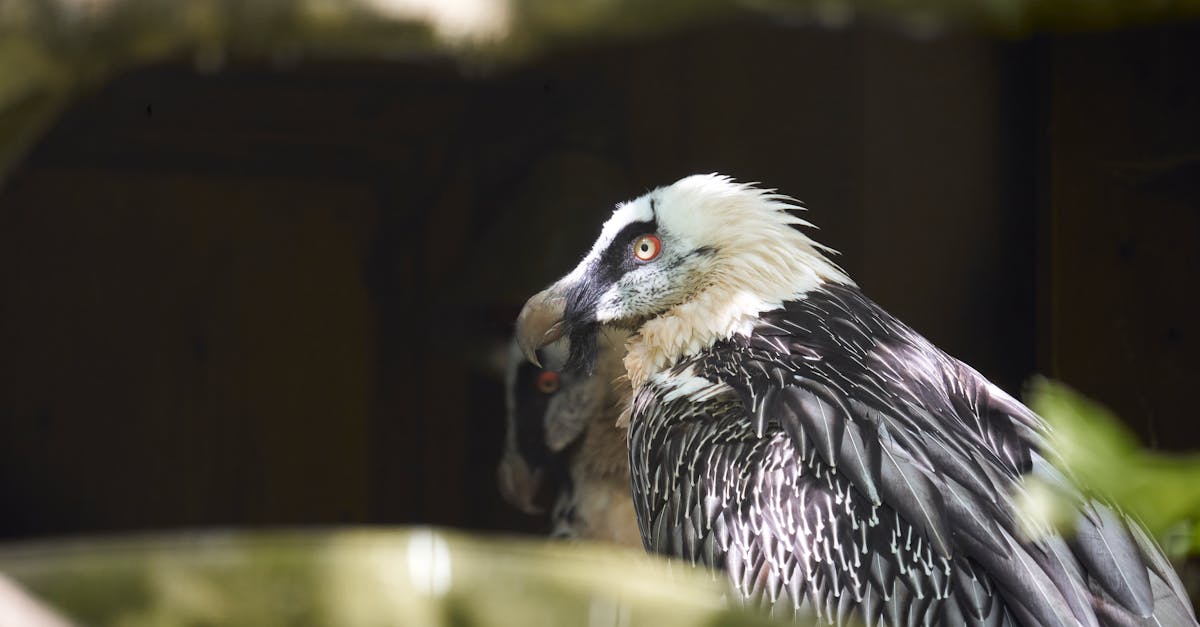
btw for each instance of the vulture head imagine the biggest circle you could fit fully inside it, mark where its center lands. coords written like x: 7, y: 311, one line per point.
x: 678, y: 269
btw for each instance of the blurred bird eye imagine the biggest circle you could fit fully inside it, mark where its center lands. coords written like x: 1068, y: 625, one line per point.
x: 547, y: 382
x: 647, y: 247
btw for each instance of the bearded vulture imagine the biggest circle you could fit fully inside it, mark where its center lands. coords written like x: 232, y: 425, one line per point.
x: 562, y: 443
x: 835, y: 463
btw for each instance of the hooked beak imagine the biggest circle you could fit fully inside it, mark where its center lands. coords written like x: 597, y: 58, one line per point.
x: 540, y: 322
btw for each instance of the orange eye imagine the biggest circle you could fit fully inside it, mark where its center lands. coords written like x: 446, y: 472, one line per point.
x: 547, y: 382
x: 647, y: 247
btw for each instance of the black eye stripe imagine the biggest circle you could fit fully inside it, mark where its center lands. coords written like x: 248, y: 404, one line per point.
x: 631, y: 232
x: 602, y: 274
x: 615, y: 259
x: 613, y: 262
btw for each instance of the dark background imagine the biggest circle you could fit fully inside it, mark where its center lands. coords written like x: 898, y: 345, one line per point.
x: 272, y: 295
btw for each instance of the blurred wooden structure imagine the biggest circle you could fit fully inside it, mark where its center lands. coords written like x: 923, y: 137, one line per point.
x: 1122, y: 318
x: 269, y: 296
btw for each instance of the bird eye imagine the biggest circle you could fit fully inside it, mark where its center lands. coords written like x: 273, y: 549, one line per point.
x: 547, y: 382
x: 647, y: 247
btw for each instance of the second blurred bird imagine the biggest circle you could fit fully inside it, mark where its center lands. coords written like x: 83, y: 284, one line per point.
x: 562, y: 447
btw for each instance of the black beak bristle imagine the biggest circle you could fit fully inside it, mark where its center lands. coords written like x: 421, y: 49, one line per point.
x: 584, y: 349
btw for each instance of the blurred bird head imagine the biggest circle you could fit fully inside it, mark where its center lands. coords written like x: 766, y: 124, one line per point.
x: 548, y: 411
x: 700, y: 257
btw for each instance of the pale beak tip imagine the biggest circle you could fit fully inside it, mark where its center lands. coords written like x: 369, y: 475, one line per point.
x: 540, y: 323
x: 530, y: 353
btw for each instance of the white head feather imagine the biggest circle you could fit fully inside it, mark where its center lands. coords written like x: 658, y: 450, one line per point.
x: 761, y: 259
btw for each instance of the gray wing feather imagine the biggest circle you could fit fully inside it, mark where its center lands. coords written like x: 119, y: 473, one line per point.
x: 865, y: 471
x: 1112, y: 558
x: 855, y: 459
x: 906, y: 488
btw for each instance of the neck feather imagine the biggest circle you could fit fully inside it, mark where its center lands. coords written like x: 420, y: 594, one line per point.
x: 729, y: 304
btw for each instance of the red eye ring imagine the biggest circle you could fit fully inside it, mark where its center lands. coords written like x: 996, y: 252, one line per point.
x: 647, y: 247
x: 547, y: 382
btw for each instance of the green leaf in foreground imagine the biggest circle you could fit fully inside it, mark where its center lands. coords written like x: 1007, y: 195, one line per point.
x: 1162, y: 490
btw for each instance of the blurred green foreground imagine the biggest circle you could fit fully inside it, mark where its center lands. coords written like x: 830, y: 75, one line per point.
x: 1160, y: 490
x: 360, y: 578
x: 427, y: 577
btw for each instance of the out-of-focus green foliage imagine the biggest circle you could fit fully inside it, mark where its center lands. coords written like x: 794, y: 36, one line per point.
x: 1161, y: 490
x: 359, y: 578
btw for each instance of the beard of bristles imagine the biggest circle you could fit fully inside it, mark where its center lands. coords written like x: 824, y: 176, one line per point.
x: 585, y: 349
x: 584, y: 342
